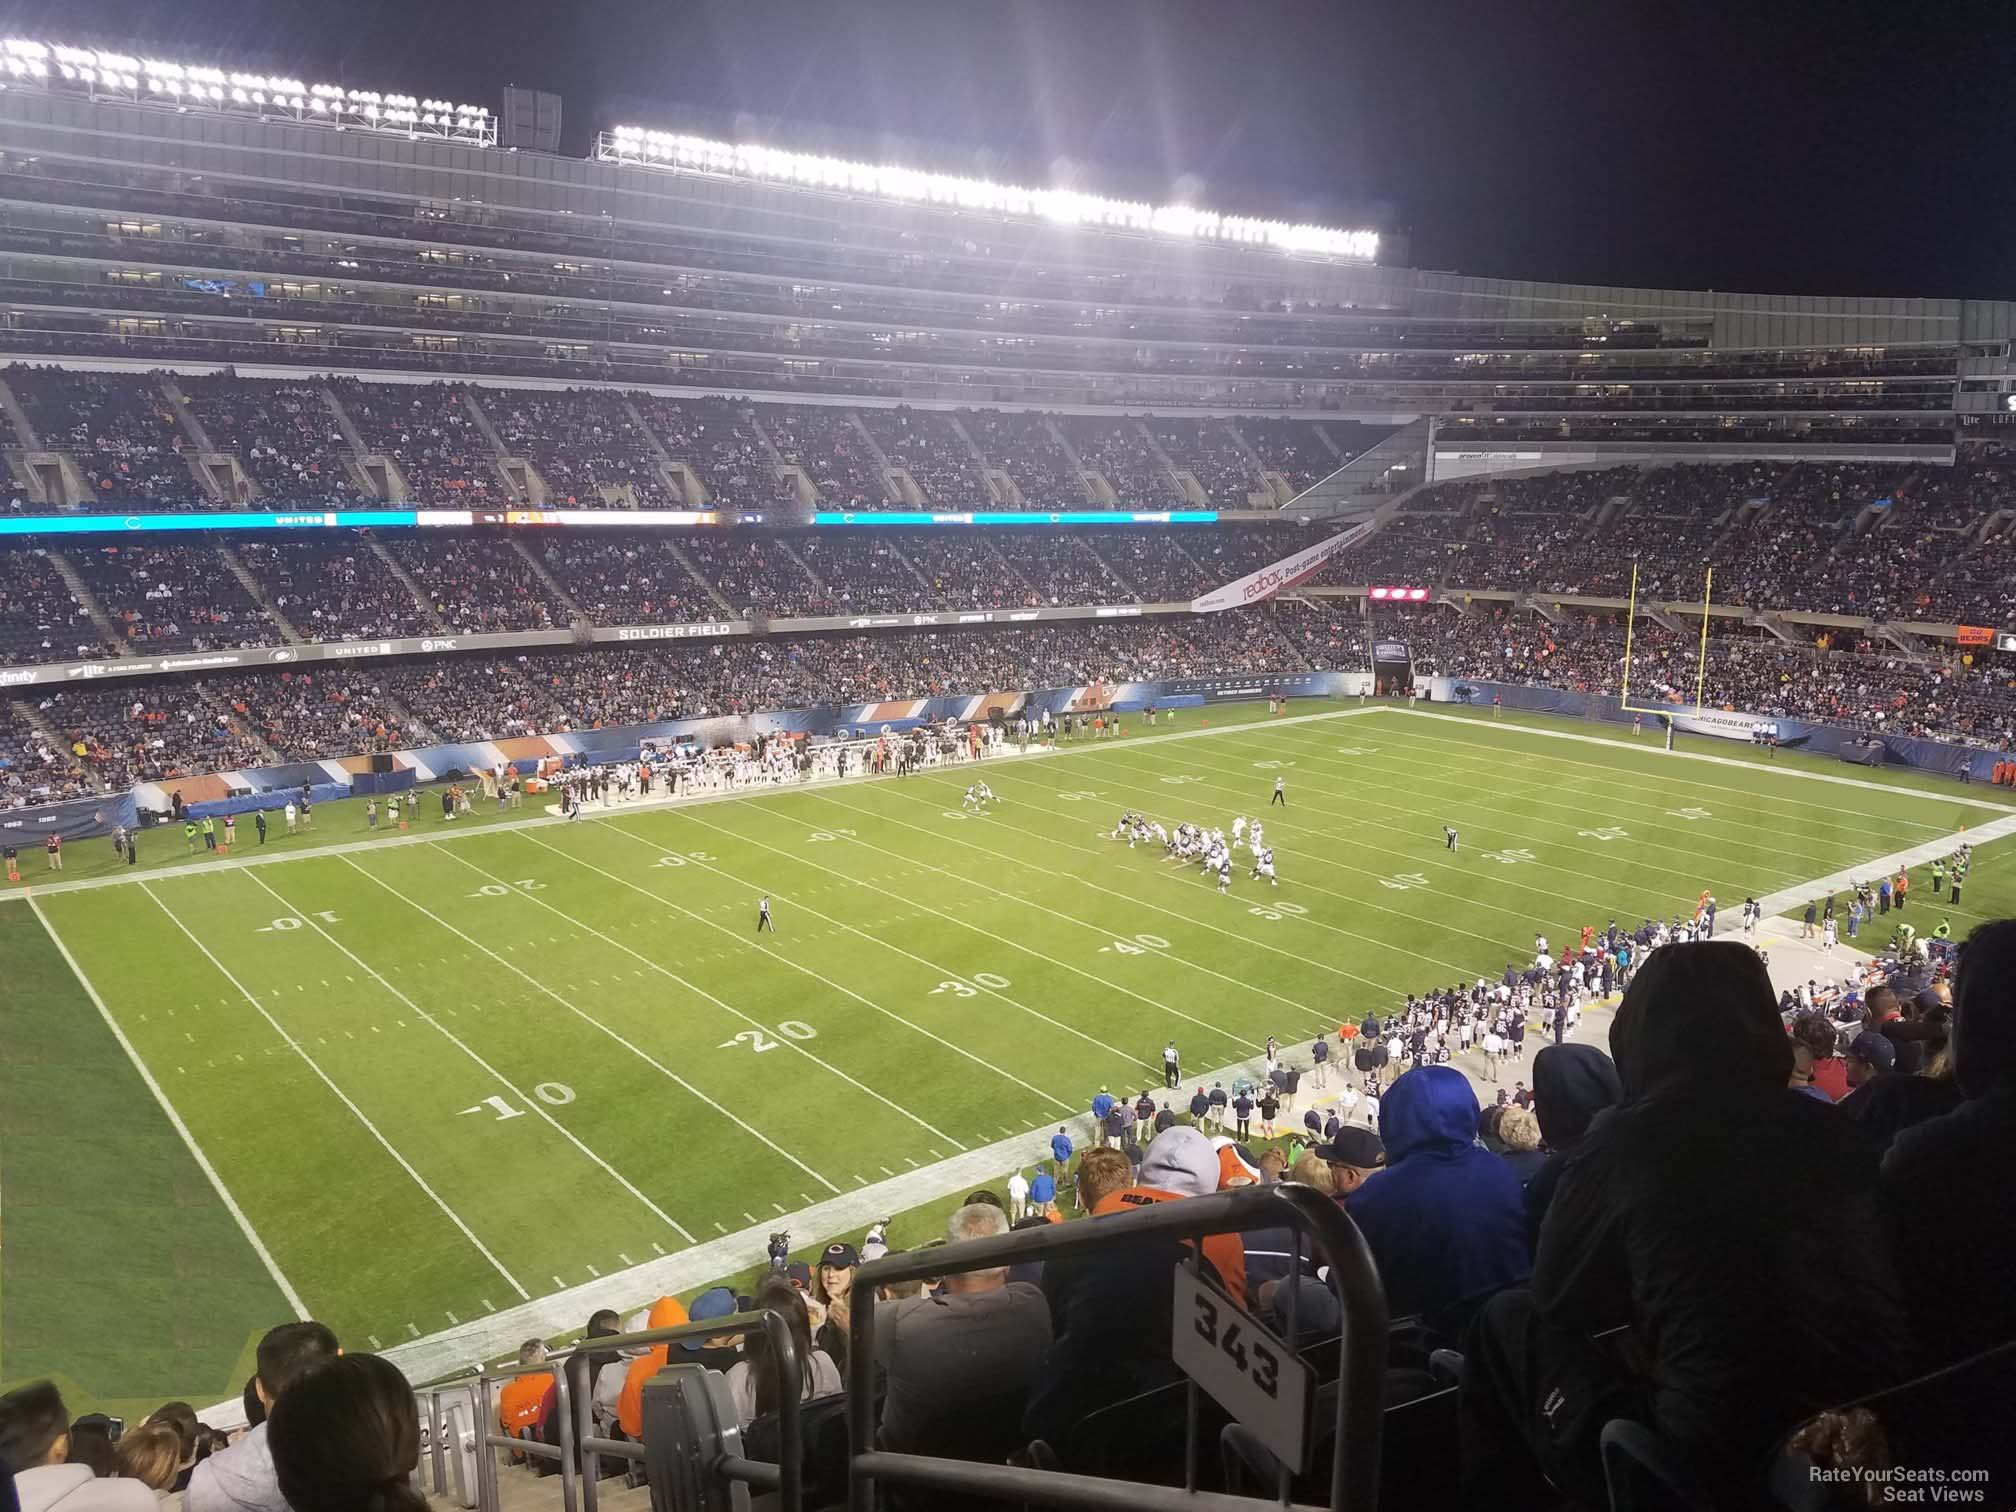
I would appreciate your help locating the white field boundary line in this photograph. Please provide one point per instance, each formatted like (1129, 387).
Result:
(643, 805)
(341, 1096)
(174, 1118)
(1703, 756)
(533, 1104)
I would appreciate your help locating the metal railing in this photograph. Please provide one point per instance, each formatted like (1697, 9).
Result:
(581, 1449)
(1354, 1484)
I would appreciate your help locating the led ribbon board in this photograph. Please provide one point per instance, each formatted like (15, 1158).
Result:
(1020, 517)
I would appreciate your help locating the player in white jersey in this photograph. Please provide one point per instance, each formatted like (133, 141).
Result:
(1258, 831)
(1239, 831)
(972, 798)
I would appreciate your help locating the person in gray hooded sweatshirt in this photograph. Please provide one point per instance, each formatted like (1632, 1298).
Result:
(242, 1478)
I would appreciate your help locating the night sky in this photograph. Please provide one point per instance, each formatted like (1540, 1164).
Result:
(1777, 147)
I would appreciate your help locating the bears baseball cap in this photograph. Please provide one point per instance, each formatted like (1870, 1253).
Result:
(843, 1256)
(1354, 1146)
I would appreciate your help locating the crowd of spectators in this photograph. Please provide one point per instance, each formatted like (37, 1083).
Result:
(825, 443)
(427, 429)
(40, 620)
(753, 572)
(864, 573)
(477, 584)
(335, 589)
(629, 580)
(1212, 454)
(924, 444)
(119, 429)
(34, 768)
(172, 598)
(1118, 449)
(282, 431)
(146, 731)
(581, 441)
(1290, 447)
(717, 438)
(1019, 443)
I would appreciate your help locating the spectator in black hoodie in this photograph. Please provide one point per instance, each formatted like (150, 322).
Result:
(1949, 1201)
(1709, 1197)
(1572, 1084)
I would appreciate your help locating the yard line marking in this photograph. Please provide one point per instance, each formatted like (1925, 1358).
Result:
(837, 986)
(886, 1171)
(749, 1215)
(1133, 1062)
(806, 1198)
(720, 1227)
(1487, 827)
(999, 939)
(487, 1305)
(642, 1054)
(536, 1105)
(341, 1096)
(174, 1118)
(1703, 756)
(753, 1023)
(558, 1284)
(1105, 932)
(1599, 793)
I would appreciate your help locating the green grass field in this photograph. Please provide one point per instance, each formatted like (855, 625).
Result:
(437, 1080)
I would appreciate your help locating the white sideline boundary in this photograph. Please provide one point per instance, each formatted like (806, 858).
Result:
(174, 1118)
(645, 805)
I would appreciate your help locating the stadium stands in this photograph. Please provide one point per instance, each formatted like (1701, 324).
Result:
(39, 619)
(583, 444)
(173, 597)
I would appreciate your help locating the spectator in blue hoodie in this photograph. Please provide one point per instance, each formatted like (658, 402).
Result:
(1101, 1106)
(1445, 1220)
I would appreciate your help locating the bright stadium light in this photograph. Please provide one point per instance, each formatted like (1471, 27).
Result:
(185, 86)
(690, 154)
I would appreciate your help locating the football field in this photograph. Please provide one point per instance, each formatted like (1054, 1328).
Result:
(406, 1083)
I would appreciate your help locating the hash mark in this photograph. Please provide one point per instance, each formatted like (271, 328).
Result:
(451, 1317)
(625, 1258)
(779, 1206)
(658, 1247)
(750, 1216)
(412, 1330)
(488, 1306)
(720, 1228)
(374, 1341)
(887, 1172)
(595, 1273)
(559, 1283)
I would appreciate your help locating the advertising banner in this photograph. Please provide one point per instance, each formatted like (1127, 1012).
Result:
(1256, 587)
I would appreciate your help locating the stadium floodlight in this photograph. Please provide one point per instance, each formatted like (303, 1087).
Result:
(163, 82)
(691, 154)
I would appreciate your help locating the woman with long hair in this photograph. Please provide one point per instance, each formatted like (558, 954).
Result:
(753, 1382)
(346, 1438)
